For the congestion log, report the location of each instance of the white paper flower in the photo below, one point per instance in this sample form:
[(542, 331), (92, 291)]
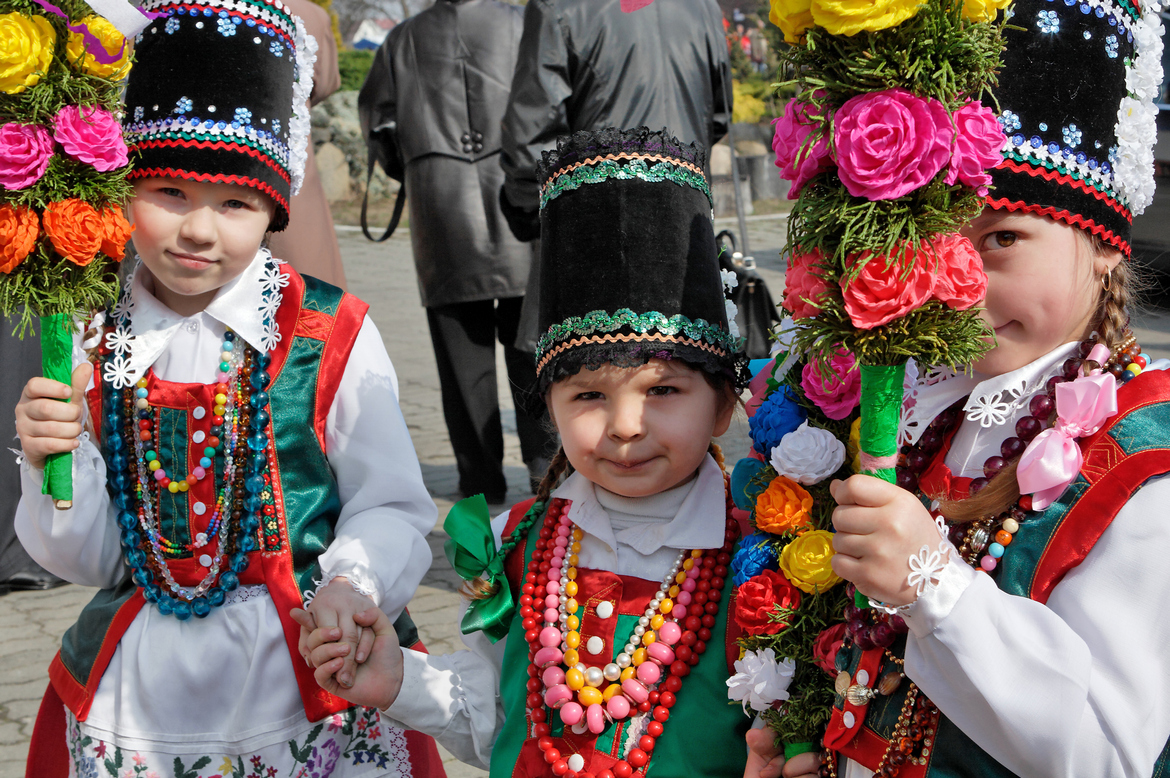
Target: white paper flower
[(117, 372), (272, 279), (119, 340), (732, 326), (808, 455), (730, 280), (760, 680)]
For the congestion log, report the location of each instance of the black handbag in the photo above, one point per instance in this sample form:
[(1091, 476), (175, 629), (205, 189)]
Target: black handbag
[(757, 315)]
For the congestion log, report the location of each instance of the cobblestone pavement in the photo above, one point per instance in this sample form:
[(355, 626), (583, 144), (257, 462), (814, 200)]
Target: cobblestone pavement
[(31, 624)]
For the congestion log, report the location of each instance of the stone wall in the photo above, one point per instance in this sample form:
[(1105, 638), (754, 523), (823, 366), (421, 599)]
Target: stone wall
[(341, 158)]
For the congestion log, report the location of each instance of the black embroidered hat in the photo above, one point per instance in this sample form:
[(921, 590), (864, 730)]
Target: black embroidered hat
[(1076, 95), (629, 269), (218, 93)]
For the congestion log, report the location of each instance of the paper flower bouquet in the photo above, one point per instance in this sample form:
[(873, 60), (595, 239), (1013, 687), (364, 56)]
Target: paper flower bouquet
[(63, 168)]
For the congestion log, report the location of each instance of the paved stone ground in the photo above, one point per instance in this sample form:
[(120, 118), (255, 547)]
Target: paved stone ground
[(31, 624)]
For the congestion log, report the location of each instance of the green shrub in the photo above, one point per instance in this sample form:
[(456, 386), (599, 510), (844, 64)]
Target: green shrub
[(354, 65)]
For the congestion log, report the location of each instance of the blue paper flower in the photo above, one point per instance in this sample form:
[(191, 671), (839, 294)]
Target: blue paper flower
[(778, 416), (755, 555)]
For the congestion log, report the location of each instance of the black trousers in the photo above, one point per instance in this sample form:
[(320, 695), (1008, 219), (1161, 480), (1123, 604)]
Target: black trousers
[(464, 336), (20, 360)]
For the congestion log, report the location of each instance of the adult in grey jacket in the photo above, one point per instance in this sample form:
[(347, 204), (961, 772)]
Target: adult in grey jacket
[(586, 65), (435, 95)]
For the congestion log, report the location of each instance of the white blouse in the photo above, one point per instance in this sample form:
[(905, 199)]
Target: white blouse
[(226, 683), (1079, 686), (455, 698)]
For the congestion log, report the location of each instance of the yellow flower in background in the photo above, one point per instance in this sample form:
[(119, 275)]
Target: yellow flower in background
[(112, 42), (26, 49), (783, 507), (983, 10), (854, 447), (793, 17), (807, 562), (746, 107), (849, 17)]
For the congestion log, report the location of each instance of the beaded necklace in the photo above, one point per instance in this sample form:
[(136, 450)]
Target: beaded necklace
[(238, 444), (644, 678)]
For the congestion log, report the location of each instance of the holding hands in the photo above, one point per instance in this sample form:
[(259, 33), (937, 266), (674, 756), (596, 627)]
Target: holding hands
[(879, 527), (335, 608), (766, 758), (377, 681), (44, 423)]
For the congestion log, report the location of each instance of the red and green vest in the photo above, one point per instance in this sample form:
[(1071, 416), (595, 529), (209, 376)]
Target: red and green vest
[(705, 733), (319, 324), (1132, 448)]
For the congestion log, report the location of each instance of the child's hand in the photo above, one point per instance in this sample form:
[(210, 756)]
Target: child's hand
[(766, 759), (335, 606), (46, 425), (879, 527), (377, 682)]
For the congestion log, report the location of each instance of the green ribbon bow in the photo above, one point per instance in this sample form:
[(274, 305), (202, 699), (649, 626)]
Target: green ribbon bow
[(472, 552)]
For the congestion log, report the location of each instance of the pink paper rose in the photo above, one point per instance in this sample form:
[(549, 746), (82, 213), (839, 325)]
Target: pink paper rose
[(978, 144), (961, 281), (803, 286), (91, 134), (890, 143), (883, 290), (839, 395), (798, 162), (25, 150)]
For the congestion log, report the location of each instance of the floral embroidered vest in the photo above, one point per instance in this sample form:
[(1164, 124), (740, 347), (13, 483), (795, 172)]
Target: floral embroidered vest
[(705, 733), (318, 324), (1132, 448)]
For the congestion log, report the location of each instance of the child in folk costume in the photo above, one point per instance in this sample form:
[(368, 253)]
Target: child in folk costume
[(604, 643), (1037, 633), (248, 451)]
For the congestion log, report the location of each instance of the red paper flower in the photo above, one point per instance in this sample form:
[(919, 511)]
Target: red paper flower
[(759, 597), (884, 290), (75, 228), (826, 646), (19, 228), (961, 282), (115, 232), (803, 286)]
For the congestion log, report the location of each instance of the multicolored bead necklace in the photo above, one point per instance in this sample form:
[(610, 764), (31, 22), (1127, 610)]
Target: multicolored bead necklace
[(644, 677)]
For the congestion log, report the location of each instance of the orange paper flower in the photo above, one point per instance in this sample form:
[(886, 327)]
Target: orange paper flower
[(19, 228), (783, 507), (115, 232), (76, 230)]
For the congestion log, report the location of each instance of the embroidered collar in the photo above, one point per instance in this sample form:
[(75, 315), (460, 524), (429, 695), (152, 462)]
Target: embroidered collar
[(698, 524), (144, 327), (991, 401)]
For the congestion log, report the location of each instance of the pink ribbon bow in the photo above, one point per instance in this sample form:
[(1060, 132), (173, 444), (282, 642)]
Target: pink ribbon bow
[(1053, 458)]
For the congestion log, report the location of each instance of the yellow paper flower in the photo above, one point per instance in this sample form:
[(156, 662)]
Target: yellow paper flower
[(26, 49), (783, 507), (983, 10), (806, 561), (793, 17), (849, 17), (854, 447), (112, 42)]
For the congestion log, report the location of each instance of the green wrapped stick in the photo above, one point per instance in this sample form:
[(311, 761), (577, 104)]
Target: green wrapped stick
[(57, 364), (881, 409)]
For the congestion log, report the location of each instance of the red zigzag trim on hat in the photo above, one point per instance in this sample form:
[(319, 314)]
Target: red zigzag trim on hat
[(215, 178), (1053, 175), (1074, 219), (217, 145)]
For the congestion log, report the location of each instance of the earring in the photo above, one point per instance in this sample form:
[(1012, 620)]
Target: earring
[(1107, 281)]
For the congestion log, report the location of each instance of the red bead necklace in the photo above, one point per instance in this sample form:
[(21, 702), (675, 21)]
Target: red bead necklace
[(696, 620)]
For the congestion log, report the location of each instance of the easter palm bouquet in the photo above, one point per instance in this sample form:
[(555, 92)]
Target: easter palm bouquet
[(63, 168), (887, 147)]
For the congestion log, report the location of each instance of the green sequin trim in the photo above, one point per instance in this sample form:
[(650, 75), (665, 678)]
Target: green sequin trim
[(146, 137), (637, 168), (641, 323), (1048, 164)]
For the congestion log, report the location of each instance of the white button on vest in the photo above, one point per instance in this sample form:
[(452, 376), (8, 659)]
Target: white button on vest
[(199, 508), (863, 677), (205, 560), (576, 763), (604, 609), (848, 719), (580, 728), (199, 412), (198, 436), (594, 645)]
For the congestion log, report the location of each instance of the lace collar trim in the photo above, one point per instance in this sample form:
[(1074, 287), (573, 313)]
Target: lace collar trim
[(991, 401)]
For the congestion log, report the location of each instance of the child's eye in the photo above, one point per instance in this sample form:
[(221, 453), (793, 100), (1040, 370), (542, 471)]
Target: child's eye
[(1002, 239), (236, 204), (171, 191), (662, 391), (585, 396)]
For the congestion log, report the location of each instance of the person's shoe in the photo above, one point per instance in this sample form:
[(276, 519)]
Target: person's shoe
[(30, 581)]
